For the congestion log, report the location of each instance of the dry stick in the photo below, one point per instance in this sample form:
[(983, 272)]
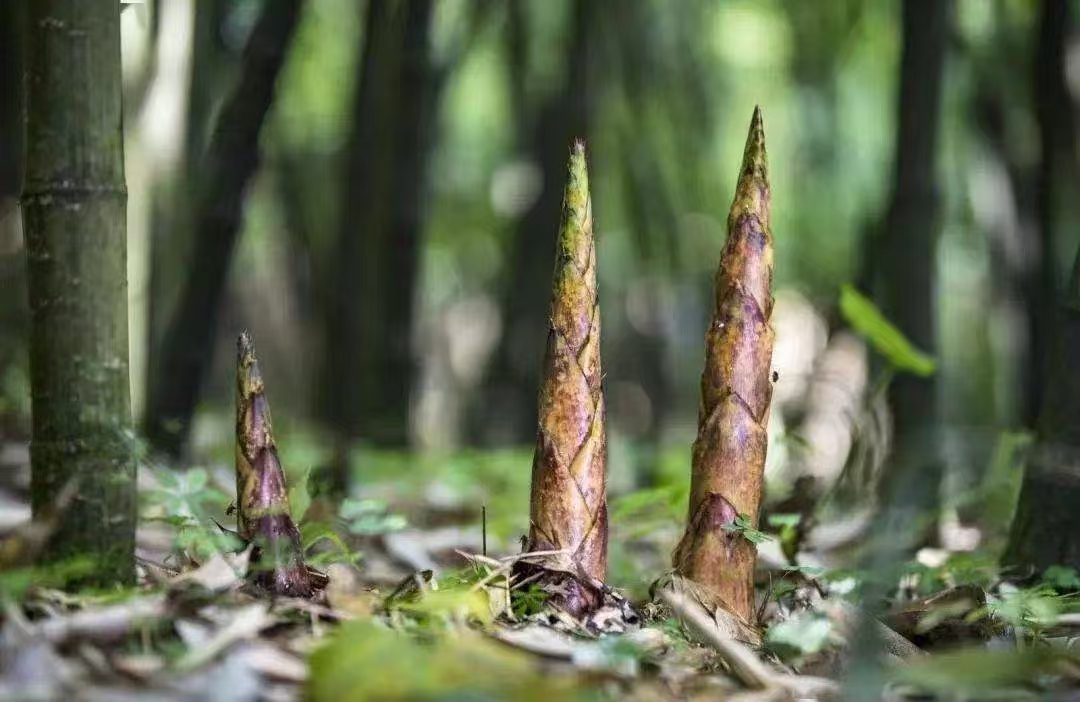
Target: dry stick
[(746, 666), (736, 389), (568, 509), (263, 516)]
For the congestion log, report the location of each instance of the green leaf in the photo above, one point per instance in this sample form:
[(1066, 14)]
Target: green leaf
[(742, 525), (527, 601), (866, 319), (203, 542)]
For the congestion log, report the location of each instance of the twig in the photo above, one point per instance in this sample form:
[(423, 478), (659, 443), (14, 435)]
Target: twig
[(492, 575), (478, 559), (534, 554), (527, 580), (743, 662)]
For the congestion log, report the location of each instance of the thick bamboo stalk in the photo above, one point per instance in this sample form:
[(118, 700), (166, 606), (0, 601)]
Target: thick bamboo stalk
[(569, 495), (74, 219), (262, 501), (736, 389)]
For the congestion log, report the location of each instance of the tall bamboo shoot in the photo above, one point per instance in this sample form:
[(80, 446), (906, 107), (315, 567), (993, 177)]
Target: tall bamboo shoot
[(736, 389), (569, 494)]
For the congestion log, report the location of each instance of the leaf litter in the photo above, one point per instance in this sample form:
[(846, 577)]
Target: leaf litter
[(197, 627)]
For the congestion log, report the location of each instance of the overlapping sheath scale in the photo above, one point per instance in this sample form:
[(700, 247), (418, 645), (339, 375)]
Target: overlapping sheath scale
[(736, 389)]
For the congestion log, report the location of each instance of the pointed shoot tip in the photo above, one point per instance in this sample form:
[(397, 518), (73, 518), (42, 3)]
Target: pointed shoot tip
[(756, 136), (755, 159)]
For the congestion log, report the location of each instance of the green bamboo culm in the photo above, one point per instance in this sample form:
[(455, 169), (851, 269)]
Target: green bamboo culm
[(74, 220)]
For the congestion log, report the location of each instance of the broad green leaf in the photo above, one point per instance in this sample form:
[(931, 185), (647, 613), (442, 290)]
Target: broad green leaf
[(866, 319)]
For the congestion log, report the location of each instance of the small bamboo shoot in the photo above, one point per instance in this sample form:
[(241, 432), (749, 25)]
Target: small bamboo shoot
[(262, 501)]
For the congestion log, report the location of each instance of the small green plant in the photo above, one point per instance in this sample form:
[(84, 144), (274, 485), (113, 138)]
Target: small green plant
[(742, 525), (189, 502), (528, 601), (185, 494)]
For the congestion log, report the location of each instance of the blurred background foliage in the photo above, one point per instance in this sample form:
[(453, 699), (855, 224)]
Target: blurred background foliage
[(395, 251)]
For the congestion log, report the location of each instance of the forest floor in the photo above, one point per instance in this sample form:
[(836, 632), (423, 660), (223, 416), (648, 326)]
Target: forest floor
[(421, 604)]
